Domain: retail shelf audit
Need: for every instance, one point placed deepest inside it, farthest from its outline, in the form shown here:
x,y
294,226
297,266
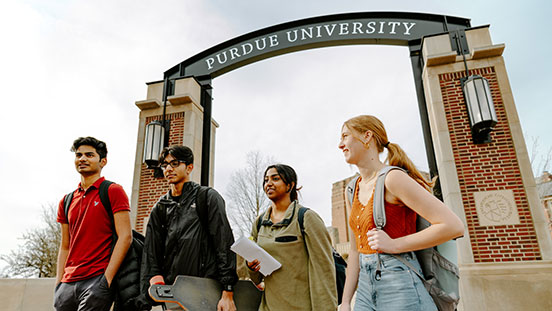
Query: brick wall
x,y
488,167
152,188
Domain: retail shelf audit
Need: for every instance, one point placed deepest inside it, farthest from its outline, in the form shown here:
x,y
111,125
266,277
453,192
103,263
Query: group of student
x,y
188,233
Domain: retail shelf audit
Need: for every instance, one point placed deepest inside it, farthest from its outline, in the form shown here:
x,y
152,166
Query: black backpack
x,y
340,263
127,280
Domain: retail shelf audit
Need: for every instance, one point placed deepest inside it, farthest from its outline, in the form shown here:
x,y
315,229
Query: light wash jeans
x,y
398,289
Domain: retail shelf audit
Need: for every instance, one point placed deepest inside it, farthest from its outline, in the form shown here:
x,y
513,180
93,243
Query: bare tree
x,y
37,256
539,162
246,198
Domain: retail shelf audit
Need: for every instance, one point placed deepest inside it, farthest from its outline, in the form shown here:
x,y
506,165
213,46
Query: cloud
x,y
75,68
296,110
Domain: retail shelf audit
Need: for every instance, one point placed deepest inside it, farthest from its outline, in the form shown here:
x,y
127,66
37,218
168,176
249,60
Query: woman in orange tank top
x,y
363,138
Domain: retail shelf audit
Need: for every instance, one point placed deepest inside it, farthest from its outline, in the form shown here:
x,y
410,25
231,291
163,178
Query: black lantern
x,y
479,101
154,143
481,111
157,137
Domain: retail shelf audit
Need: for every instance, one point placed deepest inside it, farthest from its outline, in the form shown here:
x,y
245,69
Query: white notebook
x,y
251,251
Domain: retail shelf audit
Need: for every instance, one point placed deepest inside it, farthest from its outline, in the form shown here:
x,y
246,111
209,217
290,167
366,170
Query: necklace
x,y
369,180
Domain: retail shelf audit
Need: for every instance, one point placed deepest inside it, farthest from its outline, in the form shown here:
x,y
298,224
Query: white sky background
x,y
75,68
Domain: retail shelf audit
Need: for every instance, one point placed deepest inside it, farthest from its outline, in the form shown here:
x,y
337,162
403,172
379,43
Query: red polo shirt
x,y
90,230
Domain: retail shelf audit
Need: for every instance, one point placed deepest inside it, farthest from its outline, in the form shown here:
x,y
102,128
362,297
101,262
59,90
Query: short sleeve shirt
x,y
90,230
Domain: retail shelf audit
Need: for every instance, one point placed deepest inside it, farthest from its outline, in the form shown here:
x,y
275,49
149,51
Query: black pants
x,y
87,295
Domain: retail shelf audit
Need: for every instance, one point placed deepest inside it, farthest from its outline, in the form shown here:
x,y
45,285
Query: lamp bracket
x,y
481,138
157,172
463,48
167,127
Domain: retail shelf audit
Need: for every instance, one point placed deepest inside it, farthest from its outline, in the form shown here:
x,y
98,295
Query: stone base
x,y
27,294
506,286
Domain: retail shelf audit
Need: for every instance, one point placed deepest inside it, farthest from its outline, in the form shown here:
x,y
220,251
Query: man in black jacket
x,y
184,237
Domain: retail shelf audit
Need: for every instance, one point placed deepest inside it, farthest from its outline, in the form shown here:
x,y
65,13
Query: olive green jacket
x,y
306,280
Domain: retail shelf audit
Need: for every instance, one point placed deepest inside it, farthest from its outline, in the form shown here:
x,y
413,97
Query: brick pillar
x,y
186,119
490,186
489,168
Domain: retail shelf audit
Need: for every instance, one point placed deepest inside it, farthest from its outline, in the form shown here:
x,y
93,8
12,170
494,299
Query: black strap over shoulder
x,y
104,198
202,207
259,221
301,218
67,203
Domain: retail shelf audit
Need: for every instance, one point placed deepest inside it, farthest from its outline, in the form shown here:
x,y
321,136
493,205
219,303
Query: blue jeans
x,y
398,289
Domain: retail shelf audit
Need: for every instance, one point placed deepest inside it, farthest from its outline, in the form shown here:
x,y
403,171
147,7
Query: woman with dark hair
x,y
407,194
306,280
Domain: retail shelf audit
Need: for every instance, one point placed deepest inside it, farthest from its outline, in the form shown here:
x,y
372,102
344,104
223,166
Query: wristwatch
x,y
228,288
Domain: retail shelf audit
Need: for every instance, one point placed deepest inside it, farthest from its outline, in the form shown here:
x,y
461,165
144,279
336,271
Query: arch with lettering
x,y
383,28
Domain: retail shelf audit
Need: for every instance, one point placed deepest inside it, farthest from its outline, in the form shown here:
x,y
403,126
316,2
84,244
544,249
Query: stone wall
x,y
27,294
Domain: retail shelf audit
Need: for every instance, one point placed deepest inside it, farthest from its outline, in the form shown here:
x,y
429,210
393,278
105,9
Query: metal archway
x,y
383,28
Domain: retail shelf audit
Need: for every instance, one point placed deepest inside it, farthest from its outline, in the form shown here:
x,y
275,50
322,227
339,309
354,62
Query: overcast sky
x,y
75,68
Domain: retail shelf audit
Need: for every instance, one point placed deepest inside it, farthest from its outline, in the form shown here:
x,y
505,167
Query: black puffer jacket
x,y
177,243
127,281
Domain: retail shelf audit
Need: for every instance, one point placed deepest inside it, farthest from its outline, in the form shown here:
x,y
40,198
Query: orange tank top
x,y
400,221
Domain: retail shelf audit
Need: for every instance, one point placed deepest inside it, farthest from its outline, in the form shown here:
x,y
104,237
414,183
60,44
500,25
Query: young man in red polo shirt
x,y
87,263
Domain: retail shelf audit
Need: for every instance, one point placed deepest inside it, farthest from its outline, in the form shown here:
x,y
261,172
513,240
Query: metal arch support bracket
x,y
459,34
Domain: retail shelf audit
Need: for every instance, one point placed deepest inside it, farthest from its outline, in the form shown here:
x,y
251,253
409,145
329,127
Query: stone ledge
x,y
180,99
488,51
148,104
537,266
440,59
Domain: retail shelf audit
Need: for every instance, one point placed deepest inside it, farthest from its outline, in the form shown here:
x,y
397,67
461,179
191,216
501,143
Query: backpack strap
x,y
351,186
410,266
104,198
67,203
379,196
259,221
301,219
201,206
379,207
106,202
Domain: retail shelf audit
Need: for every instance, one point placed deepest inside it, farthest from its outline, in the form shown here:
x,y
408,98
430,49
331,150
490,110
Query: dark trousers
x,y
87,295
